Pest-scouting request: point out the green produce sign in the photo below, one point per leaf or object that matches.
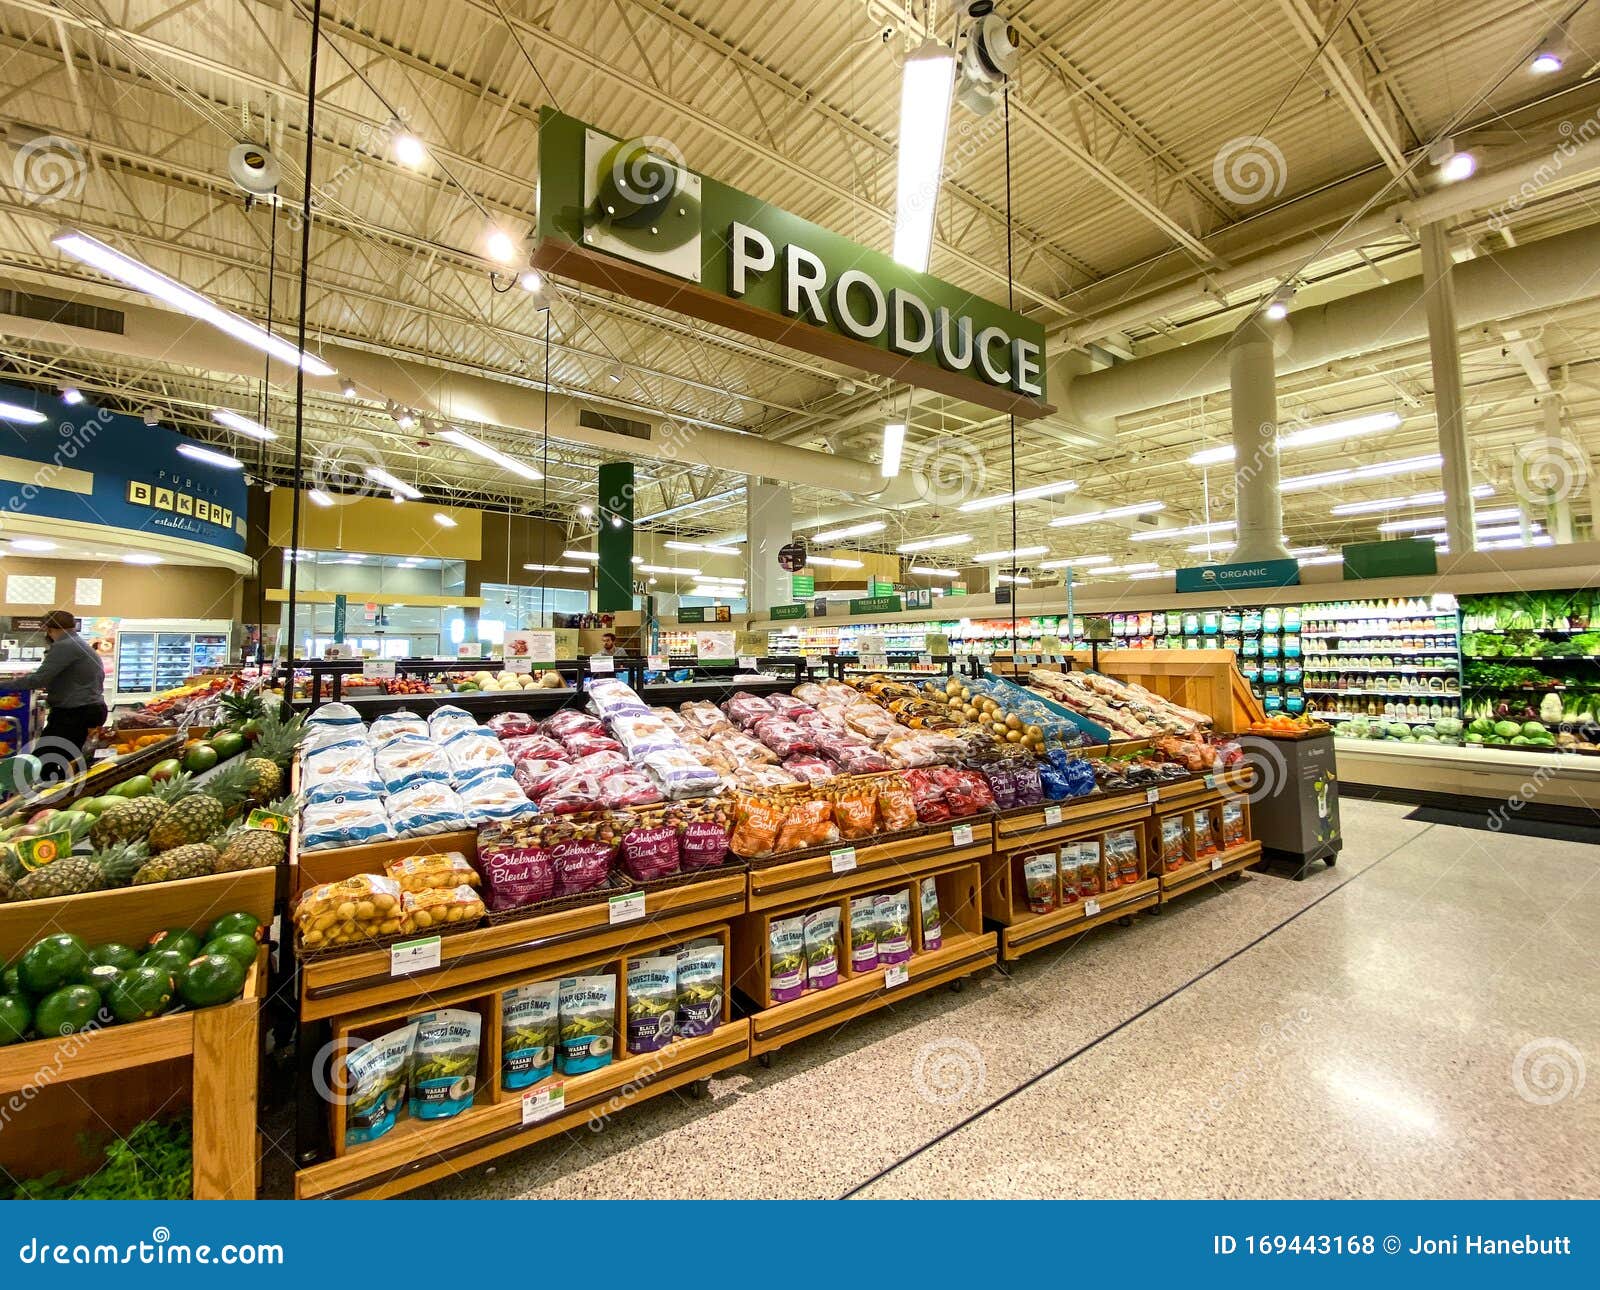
(1397, 558)
(631, 217)
(876, 605)
(802, 586)
(341, 607)
(787, 611)
(692, 615)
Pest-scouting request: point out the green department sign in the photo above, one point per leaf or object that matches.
(876, 605)
(1393, 559)
(692, 615)
(787, 611)
(630, 216)
(1252, 573)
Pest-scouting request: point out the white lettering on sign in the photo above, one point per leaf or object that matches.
(804, 275)
(901, 338)
(845, 313)
(748, 252)
(986, 338)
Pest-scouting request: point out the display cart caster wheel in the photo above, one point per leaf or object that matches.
(1300, 874)
(765, 1059)
(1153, 910)
(1330, 861)
(701, 1089)
(1125, 920)
(958, 985)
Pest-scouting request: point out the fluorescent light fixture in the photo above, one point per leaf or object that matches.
(443, 520)
(556, 568)
(1074, 562)
(830, 562)
(21, 415)
(849, 531)
(140, 557)
(926, 83)
(1128, 568)
(1336, 558)
(210, 456)
(380, 476)
(500, 245)
(1188, 530)
(592, 556)
(1492, 516)
(244, 425)
(1406, 465)
(1112, 513)
(707, 548)
(1434, 498)
(1152, 573)
(1543, 539)
(32, 544)
(1505, 530)
(1308, 436)
(141, 276)
(1298, 551)
(637, 559)
(713, 500)
(462, 439)
(1206, 548)
(408, 149)
(71, 395)
(1021, 495)
(1016, 553)
(928, 571)
(894, 442)
(1006, 577)
(934, 543)
(319, 497)
(1210, 457)
(675, 570)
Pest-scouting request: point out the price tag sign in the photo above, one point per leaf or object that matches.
(1211, 781)
(519, 666)
(747, 663)
(925, 659)
(1152, 796)
(601, 664)
(414, 956)
(899, 974)
(378, 669)
(627, 908)
(543, 1102)
(1216, 863)
(657, 662)
(1052, 815)
(961, 835)
(843, 859)
(1091, 907)
(267, 820)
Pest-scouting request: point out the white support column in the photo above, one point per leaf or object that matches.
(1252, 383)
(1438, 293)
(769, 524)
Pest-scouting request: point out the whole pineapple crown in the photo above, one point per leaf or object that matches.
(230, 785)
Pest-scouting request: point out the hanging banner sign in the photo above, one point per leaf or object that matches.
(629, 216)
(1225, 577)
(802, 586)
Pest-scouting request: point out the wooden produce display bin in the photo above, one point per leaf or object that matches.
(1047, 828)
(1206, 680)
(950, 854)
(350, 995)
(1207, 857)
(102, 1082)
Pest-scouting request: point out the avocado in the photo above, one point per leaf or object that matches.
(66, 1011)
(141, 993)
(16, 1015)
(248, 924)
(236, 945)
(117, 955)
(49, 964)
(174, 938)
(211, 979)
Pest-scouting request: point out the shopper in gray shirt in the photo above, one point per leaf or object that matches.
(73, 679)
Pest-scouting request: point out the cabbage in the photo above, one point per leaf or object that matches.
(1533, 729)
(1481, 726)
(1447, 726)
(1505, 729)
(1473, 737)
(1398, 730)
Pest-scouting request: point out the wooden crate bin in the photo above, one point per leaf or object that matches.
(1204, 865)
(965, 946)
(103, 1082)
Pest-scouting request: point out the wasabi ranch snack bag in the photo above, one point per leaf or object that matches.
(375, 1075)
(444, 1063)
(863, 935)
(932, 932)
(787, 937)
(652, 1002)
(699, 988)
(822, 948)
(588, 1007)
(528, 1016)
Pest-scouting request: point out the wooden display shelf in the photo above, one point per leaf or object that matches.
(415, 1152)
(810, 880)
(1079, 817)
(103, 1082)
(336, 984)
(1206, 869)
(1035, 931)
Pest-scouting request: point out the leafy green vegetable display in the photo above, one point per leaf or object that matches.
(154, 1162)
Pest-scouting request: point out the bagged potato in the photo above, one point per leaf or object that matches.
(432, 872)
(437, 910)
(355, 909)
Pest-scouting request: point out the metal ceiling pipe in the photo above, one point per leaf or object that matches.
(159, 335)
(1537, 275)
(1258, 502)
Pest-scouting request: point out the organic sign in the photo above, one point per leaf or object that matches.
(630, 216)
(1252, 573)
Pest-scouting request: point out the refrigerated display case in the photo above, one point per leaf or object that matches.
(153, 656)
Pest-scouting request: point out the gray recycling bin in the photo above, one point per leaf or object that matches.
(1294, 805)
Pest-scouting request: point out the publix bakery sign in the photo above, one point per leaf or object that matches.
(627, 215)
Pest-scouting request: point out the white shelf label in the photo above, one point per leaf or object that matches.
(899, 974)
(657, 662)
(378, 669)
(599, 663)
(1091, 907)
(1211, 781)
(1152, 795)
(961, 835)
(843, 859)
(747, 663)
(543, 1102)
(1216, 863)
(1052, 815)
(519, 666)
(627, 908)
(414, 956)
(925, 659)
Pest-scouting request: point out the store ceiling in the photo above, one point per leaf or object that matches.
(1120, 114)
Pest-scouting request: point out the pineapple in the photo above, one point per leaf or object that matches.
(236, 709)
(195, 817)
(132, 818)
(70, 876)
(120, 861)
(8, 889)
(193, 861)
(273, 748)
(244, 848)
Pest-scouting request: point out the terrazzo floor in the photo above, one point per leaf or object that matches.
(1413, 1022)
